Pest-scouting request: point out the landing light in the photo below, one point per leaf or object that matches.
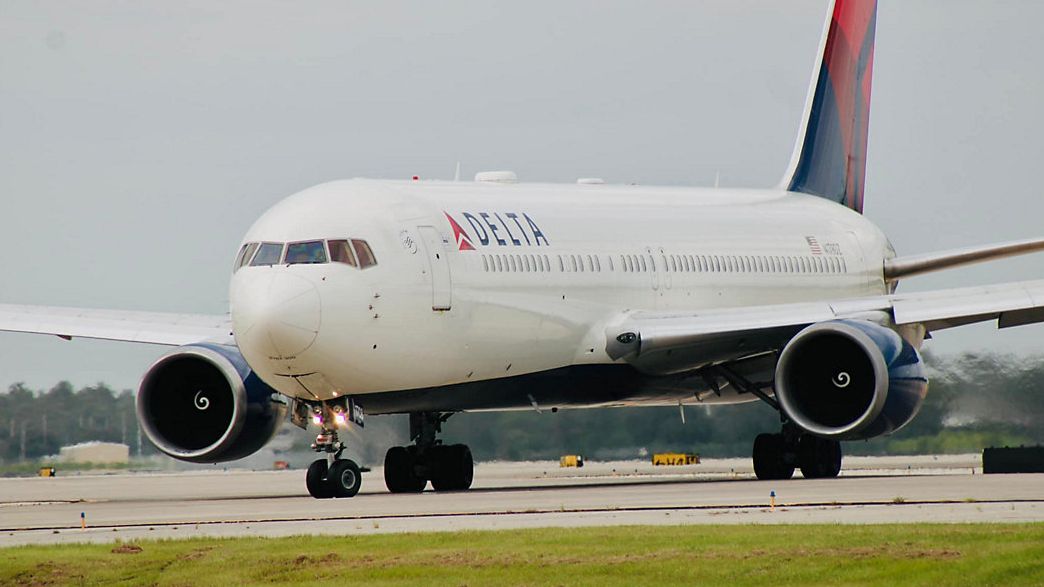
(339, 418)
(317, 419)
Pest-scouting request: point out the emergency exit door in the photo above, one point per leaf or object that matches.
(441, 286)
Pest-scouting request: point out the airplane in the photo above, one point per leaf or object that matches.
(431, 298)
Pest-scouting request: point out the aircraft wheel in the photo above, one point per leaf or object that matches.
(315, 480)
(453, 468)
(344, 478)
(399, 474)
(770, 458)
(819, 458)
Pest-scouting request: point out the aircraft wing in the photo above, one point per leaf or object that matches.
(665, 341)
(128, 326)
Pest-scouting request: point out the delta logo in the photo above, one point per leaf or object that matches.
(491, 229)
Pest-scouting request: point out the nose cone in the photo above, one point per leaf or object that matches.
(276, 314)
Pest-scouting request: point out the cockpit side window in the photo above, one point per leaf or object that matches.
(244, 256)
(305, 253)
(341, 252)
(268, 254)
(363, 252)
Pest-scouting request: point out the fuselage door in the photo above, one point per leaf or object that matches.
(653, 268)
(441, 286)
(668, 278)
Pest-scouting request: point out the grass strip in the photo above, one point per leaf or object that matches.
(913, 554)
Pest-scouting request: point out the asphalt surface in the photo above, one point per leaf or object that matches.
(510, 495)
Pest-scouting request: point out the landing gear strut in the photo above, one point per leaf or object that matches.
(776, 456)
(331, 476)
(407, 469)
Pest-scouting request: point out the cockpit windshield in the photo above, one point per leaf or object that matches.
(306, 252)
(244, 255)
(268, 254)
(354, 252)
(341, 252)
(362, 250)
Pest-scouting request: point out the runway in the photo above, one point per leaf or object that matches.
(510, 495)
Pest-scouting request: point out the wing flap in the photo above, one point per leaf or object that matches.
(118, 325)
(956, 307)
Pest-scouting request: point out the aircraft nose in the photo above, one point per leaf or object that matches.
(277, 314)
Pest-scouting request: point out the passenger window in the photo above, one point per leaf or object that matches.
(341, 252)
(305, 253)
(485, 263)
(364, 253)
(244, 255)
(268, 254)
(500, 266)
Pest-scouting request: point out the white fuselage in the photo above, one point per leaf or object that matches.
(544, 269)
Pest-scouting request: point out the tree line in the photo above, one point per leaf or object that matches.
(973, 401)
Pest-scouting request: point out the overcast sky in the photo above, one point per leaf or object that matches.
(139, 140)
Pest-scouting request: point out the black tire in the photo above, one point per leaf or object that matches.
(399, 475)
(453, 468)
(344, 478)
(770, 458)
(819, 458)
(315, 480)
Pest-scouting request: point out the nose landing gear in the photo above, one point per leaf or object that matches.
(330, 476)
(407, 469)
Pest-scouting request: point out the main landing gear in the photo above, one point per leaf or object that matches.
(776, 456)
(330, 476)
(407, 469)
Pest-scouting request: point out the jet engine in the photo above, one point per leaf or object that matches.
(202, 403)
(850, 380)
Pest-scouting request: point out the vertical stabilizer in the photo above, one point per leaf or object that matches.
(829, 158)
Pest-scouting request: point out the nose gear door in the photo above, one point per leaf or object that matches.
(441, 286)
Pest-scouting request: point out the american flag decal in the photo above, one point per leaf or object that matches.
(813, 245)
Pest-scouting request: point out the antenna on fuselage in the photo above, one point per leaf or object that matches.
(456, 174)
(717, 179)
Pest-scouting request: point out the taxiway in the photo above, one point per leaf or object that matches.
(510, 495)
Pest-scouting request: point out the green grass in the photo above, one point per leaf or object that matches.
(933, 555)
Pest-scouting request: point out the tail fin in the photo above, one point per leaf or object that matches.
(829, 158)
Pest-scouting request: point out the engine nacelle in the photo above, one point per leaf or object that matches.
(202, 403)
(850, 380)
